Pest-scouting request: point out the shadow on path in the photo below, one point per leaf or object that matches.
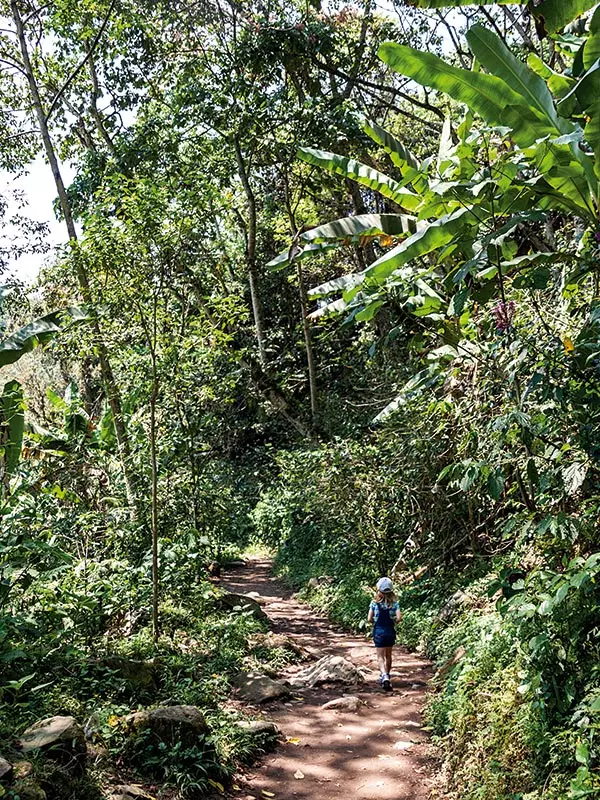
(378, 753)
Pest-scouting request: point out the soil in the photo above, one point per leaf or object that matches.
(380, 752)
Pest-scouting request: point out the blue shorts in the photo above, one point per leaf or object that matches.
(384, 638)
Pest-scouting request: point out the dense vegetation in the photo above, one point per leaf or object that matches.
(330, 288)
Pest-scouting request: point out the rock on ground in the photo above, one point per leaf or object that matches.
(329, 669)
(185, 724)
(129, 792)
(6, 770)
(347, 703)
(230, 602)
(257, 688)
(60, 738)
(259, 726)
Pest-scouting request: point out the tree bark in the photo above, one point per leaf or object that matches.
(112, 390)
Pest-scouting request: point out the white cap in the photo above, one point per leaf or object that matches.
(384, 585)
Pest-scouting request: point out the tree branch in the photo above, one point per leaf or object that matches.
(82, 63)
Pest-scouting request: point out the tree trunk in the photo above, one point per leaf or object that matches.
(310, 356)
(251, 253)
(112, 390)
(154, 501)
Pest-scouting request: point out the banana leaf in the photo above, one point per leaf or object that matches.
(361, 173)
(493, 54)
(401, 157)
(423, 242)
(12, 404)
(559, 84)
(38, 332)
(353, 228)
(282, 260)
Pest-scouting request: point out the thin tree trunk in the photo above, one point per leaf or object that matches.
(154, 501)
(96, 115)
(112, 390)
(251, 253)
(310, 356)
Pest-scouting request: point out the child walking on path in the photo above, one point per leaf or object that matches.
(384, 612)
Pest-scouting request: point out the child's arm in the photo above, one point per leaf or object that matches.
(398, 614)
(370, 614)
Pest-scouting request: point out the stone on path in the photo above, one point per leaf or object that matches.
(347, 703)
(257, 688)
(242, 602)
(60, 738)
(258, 726)
(129, 792)
(329, 669)
(171, 724)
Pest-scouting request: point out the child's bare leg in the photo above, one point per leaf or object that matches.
(381, 662)
(388, 660)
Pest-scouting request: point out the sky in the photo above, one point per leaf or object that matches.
(39, 191)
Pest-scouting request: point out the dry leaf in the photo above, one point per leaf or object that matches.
(568, 345)
(292, 740)
(298, 775)
(383, 756)
(216, 785)
(267, 794)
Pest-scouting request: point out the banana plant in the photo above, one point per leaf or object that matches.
(12, 401)
(458, 216)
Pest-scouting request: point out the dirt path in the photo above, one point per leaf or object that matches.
(379, 753)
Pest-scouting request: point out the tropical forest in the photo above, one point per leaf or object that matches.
(300, 399)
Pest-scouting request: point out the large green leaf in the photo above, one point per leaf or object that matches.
(553, 15)
(361, 173)
(418, 383)
(13, 422)
(495, 56)
(346, 283)
(587, 88)
(559, 84)
(592, 134)
(487, 95)
(430, 238)
(345, 231)
(401, 156)
(37, 332)
(591, 49)
(352, 228)
(281, 261)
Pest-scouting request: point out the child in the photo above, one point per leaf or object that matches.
(384, 611)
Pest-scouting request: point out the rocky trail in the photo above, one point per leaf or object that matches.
(377, 752)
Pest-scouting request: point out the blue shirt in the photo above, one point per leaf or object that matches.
(375, 608)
